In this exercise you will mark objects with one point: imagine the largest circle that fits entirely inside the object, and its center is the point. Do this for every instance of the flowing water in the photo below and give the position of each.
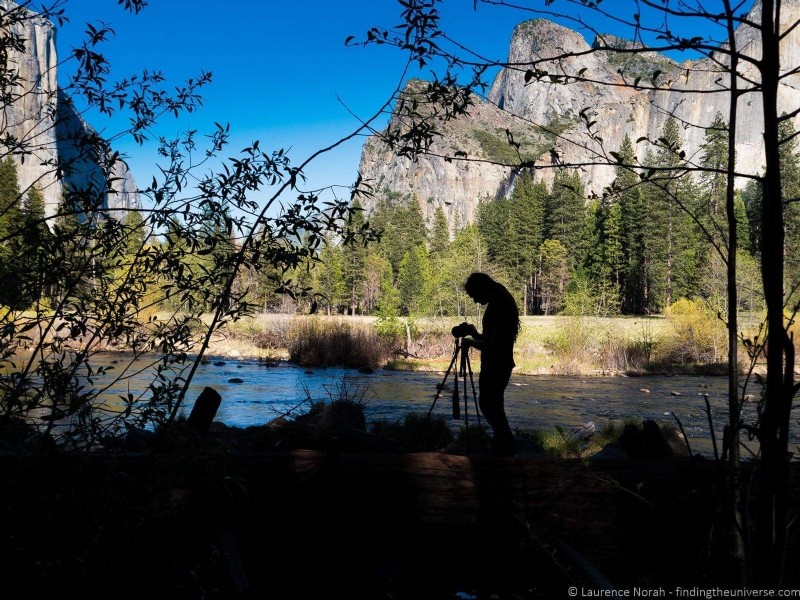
(253, 393)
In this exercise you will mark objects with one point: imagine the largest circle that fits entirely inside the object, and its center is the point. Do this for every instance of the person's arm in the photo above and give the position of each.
(471, 330)
(475, 339)
(473, 342)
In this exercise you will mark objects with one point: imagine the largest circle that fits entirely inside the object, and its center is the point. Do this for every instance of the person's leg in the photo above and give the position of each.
(491, 401)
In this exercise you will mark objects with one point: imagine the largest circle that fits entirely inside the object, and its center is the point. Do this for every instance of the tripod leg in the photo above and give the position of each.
(463, 373)
(474, 394)
(444, 379)
(456, 399)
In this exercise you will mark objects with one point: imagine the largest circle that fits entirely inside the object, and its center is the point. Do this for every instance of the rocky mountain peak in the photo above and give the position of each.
(535, 103)
(43, 116)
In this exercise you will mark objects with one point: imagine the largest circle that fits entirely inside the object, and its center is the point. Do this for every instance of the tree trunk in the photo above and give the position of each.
(668, 290)
(731, 441)
(774, 422)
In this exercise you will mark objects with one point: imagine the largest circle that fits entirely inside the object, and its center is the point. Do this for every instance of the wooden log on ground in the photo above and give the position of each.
(204, 410)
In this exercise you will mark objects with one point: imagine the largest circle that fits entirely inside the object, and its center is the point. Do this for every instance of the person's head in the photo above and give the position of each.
(483, 289)
(480, 287)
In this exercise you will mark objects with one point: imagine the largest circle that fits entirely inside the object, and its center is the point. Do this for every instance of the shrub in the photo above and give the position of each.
(320, 341)
(626, 353)
(391, 329)
(572, 345)
(434, 341)
(698, 336)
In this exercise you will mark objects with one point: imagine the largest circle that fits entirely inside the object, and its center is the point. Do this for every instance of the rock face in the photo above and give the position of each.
(545, 117)
(435, 181)
(42, 120)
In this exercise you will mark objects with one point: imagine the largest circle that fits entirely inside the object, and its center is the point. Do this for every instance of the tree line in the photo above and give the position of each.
(635, 250)
(628, 251)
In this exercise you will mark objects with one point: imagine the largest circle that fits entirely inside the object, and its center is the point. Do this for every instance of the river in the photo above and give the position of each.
(254, 393)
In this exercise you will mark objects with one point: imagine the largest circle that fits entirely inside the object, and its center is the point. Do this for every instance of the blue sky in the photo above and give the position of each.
(279, 66)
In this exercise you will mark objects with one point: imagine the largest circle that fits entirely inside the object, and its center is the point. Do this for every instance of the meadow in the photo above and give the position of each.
(682, 341)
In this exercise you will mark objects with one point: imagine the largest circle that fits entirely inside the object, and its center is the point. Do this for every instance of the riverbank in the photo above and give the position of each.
(676, 344)
(590, 346)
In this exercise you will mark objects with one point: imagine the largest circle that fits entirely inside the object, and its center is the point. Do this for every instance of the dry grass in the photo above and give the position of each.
(326, 341)
(546, 345)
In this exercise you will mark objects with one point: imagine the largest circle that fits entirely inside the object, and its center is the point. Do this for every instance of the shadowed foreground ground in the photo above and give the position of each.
(195, 521)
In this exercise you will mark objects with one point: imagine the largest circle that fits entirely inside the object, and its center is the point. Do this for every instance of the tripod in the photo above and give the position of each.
(464, 368)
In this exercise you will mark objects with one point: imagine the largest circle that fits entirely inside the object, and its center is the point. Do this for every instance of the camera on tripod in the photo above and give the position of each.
(463, 369)
(462, 330)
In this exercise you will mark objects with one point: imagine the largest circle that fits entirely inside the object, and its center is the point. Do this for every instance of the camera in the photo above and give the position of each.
(461, 330)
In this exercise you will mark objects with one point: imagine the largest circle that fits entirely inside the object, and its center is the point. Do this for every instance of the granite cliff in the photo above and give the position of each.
(41, 118)
(545, 117)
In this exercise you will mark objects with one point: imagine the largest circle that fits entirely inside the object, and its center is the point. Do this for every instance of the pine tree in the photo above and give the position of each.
(527, 224)
(412, 224)
(564, 214)
(135, 233)
(10, 199)
(439, 239)
(10, 231)
(375, 270)
(329, 277)
(354, 257)
(70, 254)
(266, 275)
(388, 303)
(628, 195)
(403, 227)
(711, 208)
(714, 178)
(752, 196)
(689, 242)
(742, 222)
(34, 249)
(468, 253)
(553, 277)
(218, 250)
(670, 236)
(590, 249)
(607, 275)
(414, 281)
(439, 243)
(495, 226)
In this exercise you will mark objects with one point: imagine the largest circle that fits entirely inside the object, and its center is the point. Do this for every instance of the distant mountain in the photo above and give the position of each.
(545, 117)
(44, 119)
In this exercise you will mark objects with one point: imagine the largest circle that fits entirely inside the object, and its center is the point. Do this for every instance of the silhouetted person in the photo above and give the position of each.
(496, 343)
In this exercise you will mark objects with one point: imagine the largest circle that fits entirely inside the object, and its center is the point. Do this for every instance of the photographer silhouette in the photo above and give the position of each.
(501, 326)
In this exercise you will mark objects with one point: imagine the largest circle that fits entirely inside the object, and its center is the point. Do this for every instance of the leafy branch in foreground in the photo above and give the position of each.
(110, 269)
(663, 168)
